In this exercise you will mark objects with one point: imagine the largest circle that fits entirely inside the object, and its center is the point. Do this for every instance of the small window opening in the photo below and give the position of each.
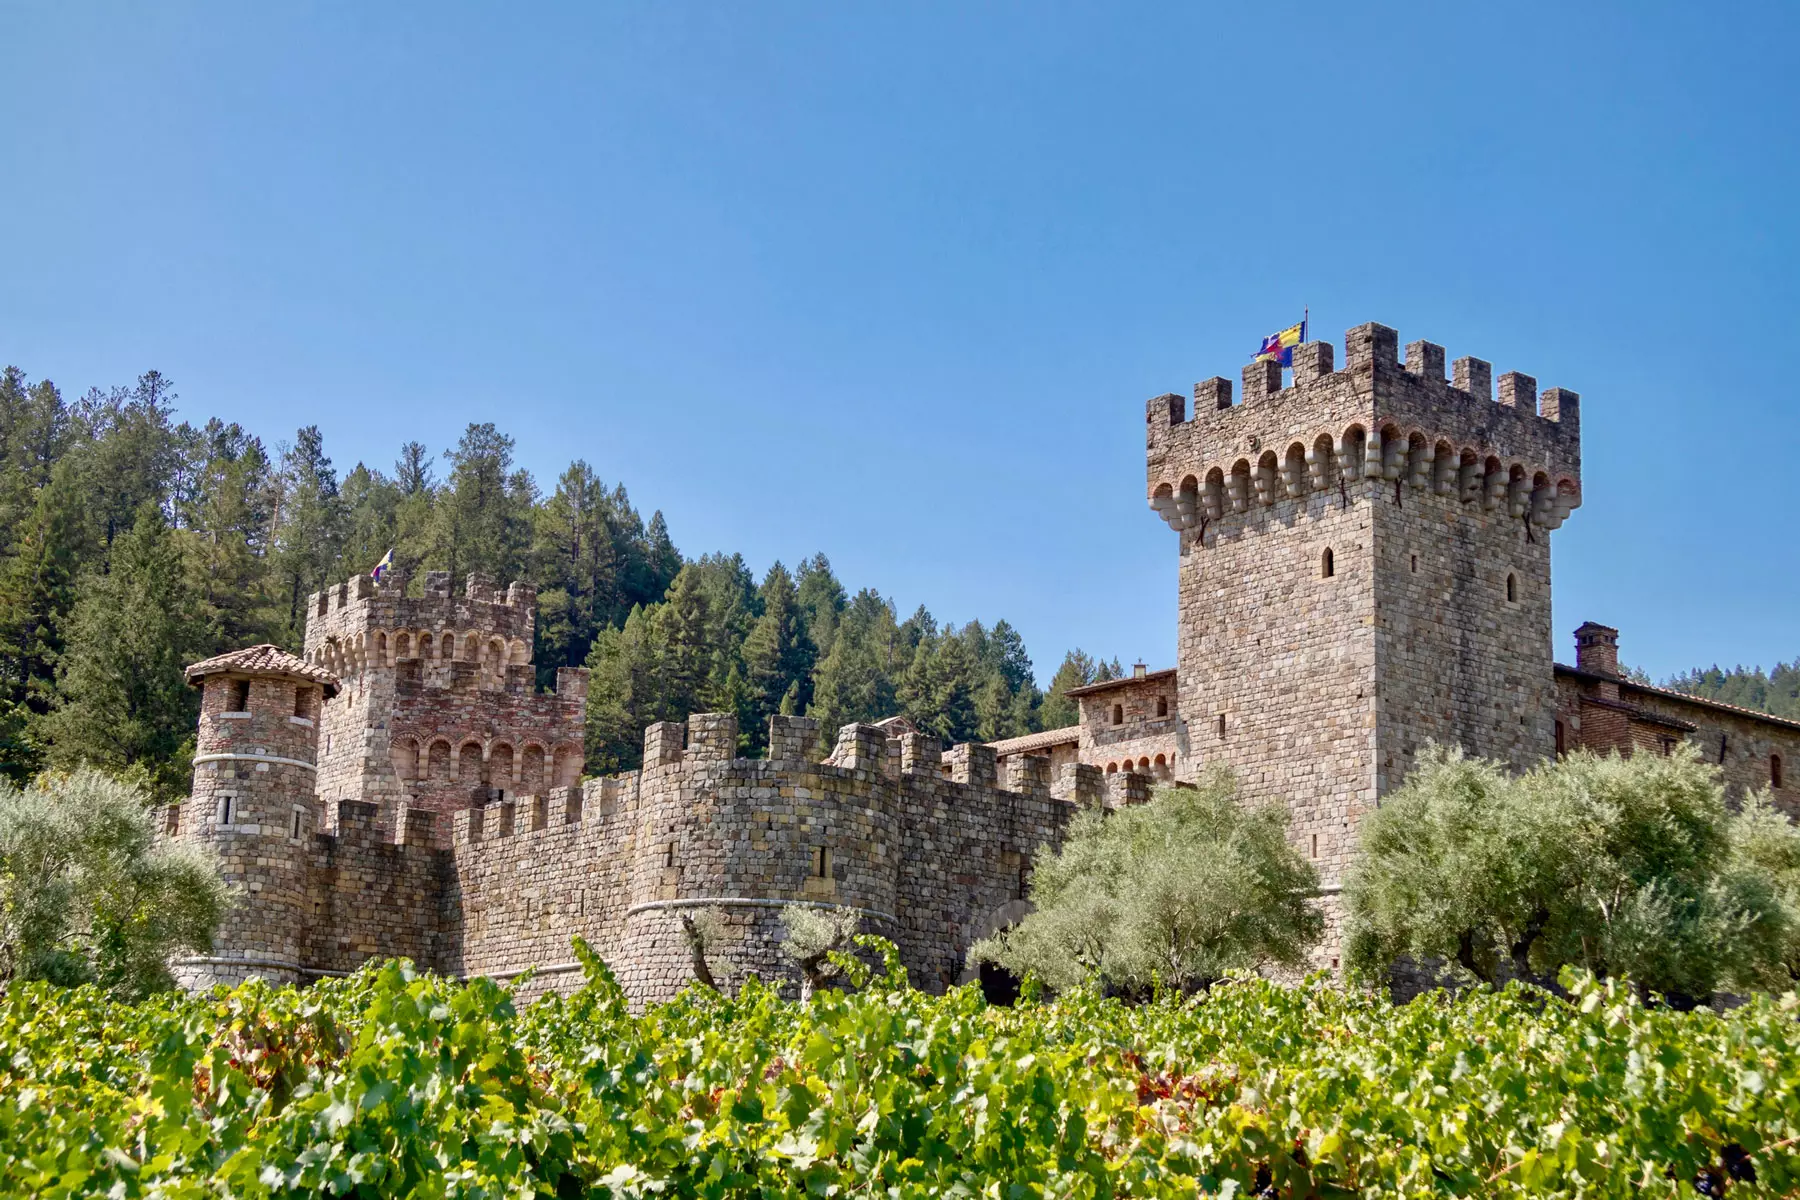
(1118, 714)
(324, 603)
(1774, 770)
(226, 804)
(1415, 564)
(296, 832)
(303, 702)
(1112, 768)
(669, 854)
(1315, 845)
(1562, 740)
(1667, 746)
(1512, 589)
(240, 695)
(1162, 706)
(1327, 565)
(1221, 724)
(822, 862)
(1144, 764)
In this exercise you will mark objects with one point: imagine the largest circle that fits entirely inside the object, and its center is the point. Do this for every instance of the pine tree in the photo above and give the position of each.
(1059, 709)
(822, 601)
(778, 658)
(482, 518)
(624, 692)
(576, 563)
(682, 634)
(371, 521)
(37, 596)
(125, 703)
(308, 524)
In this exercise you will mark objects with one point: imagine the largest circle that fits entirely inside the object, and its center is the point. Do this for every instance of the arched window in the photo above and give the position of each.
(1143, 764)
(1512, 589)
(1118, 714)
(1327, 567)
(1112, 768)
(1162, 706)
(1774, 770)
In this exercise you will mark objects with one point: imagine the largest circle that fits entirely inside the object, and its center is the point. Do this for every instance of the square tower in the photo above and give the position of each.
(1364, 568)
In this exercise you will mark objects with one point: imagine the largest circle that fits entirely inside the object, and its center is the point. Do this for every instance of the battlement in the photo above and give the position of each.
(363, 622)
(1378, 418)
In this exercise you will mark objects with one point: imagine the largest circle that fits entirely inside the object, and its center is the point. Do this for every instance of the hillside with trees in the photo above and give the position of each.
(1776, 692)
(133, 542)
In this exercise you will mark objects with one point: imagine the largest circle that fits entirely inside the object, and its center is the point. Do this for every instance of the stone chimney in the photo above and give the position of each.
(1597, 649)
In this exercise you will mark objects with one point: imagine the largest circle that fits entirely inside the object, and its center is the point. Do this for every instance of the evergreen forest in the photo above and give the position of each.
(133, 542)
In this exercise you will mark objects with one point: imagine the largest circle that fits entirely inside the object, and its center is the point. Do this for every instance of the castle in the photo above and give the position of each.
(1364, 568)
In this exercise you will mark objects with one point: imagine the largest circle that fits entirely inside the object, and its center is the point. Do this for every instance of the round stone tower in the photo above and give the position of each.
(255, 803)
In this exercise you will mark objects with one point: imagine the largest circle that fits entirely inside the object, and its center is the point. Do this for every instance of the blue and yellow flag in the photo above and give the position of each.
(382, 567)
(1280, 346)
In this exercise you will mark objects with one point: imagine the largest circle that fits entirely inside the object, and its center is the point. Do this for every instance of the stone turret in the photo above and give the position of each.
(255, 803)
(440, 708)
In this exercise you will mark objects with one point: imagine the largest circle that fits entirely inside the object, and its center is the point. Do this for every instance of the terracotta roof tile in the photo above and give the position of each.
(1625, 685)
(1037, 741)
(263, 660)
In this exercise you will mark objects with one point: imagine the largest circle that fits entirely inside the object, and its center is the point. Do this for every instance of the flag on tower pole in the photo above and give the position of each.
(1279, 347)
(382, 567)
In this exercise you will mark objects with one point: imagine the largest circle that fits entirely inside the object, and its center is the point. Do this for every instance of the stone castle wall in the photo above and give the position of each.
(928, 861)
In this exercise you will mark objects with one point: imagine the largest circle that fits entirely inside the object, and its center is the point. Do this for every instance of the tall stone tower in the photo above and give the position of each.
(439, 709)
(1364, 567)
(255, 803)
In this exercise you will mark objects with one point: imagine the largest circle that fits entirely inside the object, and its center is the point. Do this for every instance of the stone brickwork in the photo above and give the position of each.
(928, 861)
(439, 708)
(1132, 724)
(1601, 710)
(1364, 566)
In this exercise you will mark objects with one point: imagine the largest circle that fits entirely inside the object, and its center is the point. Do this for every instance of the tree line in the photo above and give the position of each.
(133, 543)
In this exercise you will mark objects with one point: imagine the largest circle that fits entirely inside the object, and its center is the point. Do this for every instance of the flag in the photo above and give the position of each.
(1280, 346)
(382, 567)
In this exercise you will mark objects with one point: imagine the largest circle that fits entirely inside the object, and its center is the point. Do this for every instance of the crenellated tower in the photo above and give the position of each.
(439, 708)
(1364, 567)
(255, 804)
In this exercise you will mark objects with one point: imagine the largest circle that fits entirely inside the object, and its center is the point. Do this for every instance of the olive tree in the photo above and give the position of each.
(88, 893)
(1623, 866)
(1172, 893)
(1766, 843)
(812, 934)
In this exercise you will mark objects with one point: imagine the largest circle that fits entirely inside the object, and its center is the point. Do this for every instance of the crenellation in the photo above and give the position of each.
(1474, 377)
(1426, 360)
(1363, 568)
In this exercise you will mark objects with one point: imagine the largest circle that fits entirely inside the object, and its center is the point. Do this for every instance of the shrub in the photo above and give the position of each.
(1176, 893)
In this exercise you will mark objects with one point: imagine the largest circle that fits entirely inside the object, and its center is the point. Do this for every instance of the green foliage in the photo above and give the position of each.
(395, 1085)
(1174, 893)
(1765, 843)
(1621, 866)
(1776, 692)
(125, 702)
(813, 936)
(248, 533)
(87, 894)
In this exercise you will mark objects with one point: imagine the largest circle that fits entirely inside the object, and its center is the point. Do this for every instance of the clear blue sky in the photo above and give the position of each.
(894, 281)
